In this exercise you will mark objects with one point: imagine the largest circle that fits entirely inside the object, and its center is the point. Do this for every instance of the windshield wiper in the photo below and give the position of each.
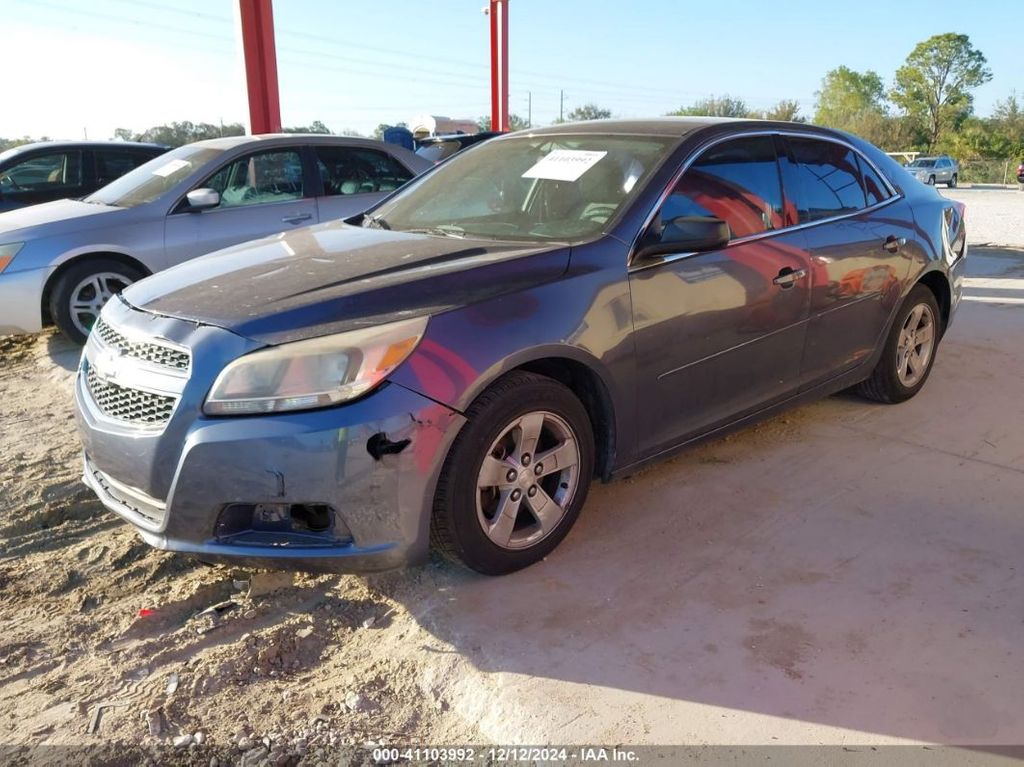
(443, 231)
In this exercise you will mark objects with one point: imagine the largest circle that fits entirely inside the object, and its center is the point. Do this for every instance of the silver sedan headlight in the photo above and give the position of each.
(314, 373)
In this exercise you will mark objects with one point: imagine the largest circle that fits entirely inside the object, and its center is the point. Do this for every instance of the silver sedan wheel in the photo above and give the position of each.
(527, 480)
(915, 345)
(89, 296)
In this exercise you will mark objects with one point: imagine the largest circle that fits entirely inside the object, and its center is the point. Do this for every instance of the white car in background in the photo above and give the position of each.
(61, 261)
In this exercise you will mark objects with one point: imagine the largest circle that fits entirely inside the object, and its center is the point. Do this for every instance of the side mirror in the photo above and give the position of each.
(686, 234)
(203, 199)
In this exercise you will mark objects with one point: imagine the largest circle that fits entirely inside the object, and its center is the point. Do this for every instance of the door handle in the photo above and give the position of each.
(788, 276)
(297, 218)
(893, 243)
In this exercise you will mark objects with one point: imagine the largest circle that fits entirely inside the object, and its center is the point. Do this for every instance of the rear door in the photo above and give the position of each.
(261, 193)
(720, 333)
(355, 178)
(857, 233)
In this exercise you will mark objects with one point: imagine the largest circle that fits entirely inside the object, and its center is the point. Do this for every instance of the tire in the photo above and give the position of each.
(467, 517)
(951, 184)
(72, 289)
(890, 382)
(931, 181)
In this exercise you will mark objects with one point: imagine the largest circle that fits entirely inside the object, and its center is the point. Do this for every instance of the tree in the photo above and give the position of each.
(715, 106)
(855, 102)
(124, 134)
(179, 133)
(786, 110)
(588, 111)
(846, 94)
(515, 122)
(315, 127)
(934, 86)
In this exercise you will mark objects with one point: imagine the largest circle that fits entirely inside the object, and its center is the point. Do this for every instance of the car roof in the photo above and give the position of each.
(676, 127)
(86, 145)
(230, 142)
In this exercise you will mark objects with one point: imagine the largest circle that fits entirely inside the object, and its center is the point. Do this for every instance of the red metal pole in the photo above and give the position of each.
(498, 12)
(257, 18)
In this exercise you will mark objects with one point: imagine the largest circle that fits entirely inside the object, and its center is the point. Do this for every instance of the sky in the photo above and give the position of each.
(91, 66)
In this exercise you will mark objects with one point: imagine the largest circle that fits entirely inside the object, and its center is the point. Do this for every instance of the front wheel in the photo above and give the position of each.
(951, 184)
(516, 477)
(909, 350)
(80, 293)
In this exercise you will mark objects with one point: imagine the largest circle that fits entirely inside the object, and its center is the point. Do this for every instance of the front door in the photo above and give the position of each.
(260, 194)
(720, 333)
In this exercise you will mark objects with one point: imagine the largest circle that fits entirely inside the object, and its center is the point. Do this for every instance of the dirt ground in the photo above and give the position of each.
(845, 573)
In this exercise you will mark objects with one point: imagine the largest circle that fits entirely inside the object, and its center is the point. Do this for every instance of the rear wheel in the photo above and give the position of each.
(909, 350)
(516, 477)
(931, 181)
(952, 182)
(80, 293)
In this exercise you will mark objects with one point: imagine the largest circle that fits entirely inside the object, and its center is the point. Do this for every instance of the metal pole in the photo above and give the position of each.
(257, 23)
(529, 109)
(498, 11)
(561, 103)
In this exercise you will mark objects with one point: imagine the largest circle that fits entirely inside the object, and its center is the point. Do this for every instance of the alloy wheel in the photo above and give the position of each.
(915, 345)
(527, 480)
(89, 296)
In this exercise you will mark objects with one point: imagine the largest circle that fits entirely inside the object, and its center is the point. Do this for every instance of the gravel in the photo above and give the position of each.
(994, 216)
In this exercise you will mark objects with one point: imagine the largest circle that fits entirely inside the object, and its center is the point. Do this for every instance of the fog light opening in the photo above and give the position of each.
(314, 517)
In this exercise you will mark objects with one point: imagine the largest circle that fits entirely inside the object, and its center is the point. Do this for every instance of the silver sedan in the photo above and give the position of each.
(61, 261)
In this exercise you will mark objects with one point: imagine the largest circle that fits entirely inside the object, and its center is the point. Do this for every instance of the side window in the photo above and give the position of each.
(874, 189)
(112, 164)
(828, 181)
(736, 181)
(350, 170)
(43, 172)
(259, 178)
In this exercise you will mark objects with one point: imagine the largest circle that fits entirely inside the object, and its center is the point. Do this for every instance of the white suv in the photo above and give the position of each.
(942, 169)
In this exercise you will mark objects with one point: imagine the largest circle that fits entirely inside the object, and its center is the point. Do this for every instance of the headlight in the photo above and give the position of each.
(315, 373)
(8, 252)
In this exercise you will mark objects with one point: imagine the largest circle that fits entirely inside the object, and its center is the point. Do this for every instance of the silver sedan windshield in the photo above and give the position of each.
(149, 181)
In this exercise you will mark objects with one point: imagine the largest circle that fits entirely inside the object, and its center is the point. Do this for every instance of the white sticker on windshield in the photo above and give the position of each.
(170, 167)
(564, 164)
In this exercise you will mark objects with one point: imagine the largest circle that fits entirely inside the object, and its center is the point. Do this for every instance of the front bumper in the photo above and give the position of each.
(306, 458)
(21, 295)
(174, 482)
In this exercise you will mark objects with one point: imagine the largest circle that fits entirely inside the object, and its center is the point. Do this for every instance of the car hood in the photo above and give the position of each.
(334, 277)
(57, 217)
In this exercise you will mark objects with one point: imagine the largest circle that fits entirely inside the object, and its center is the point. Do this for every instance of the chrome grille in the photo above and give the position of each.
(151, 353)
(132, 405)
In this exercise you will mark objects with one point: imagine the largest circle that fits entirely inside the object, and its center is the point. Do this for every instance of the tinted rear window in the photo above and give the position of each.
(828, 180)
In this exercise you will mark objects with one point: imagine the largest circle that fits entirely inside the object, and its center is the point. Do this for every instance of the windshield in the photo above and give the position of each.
(527, 188)
(149, 181)
(923, 164)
